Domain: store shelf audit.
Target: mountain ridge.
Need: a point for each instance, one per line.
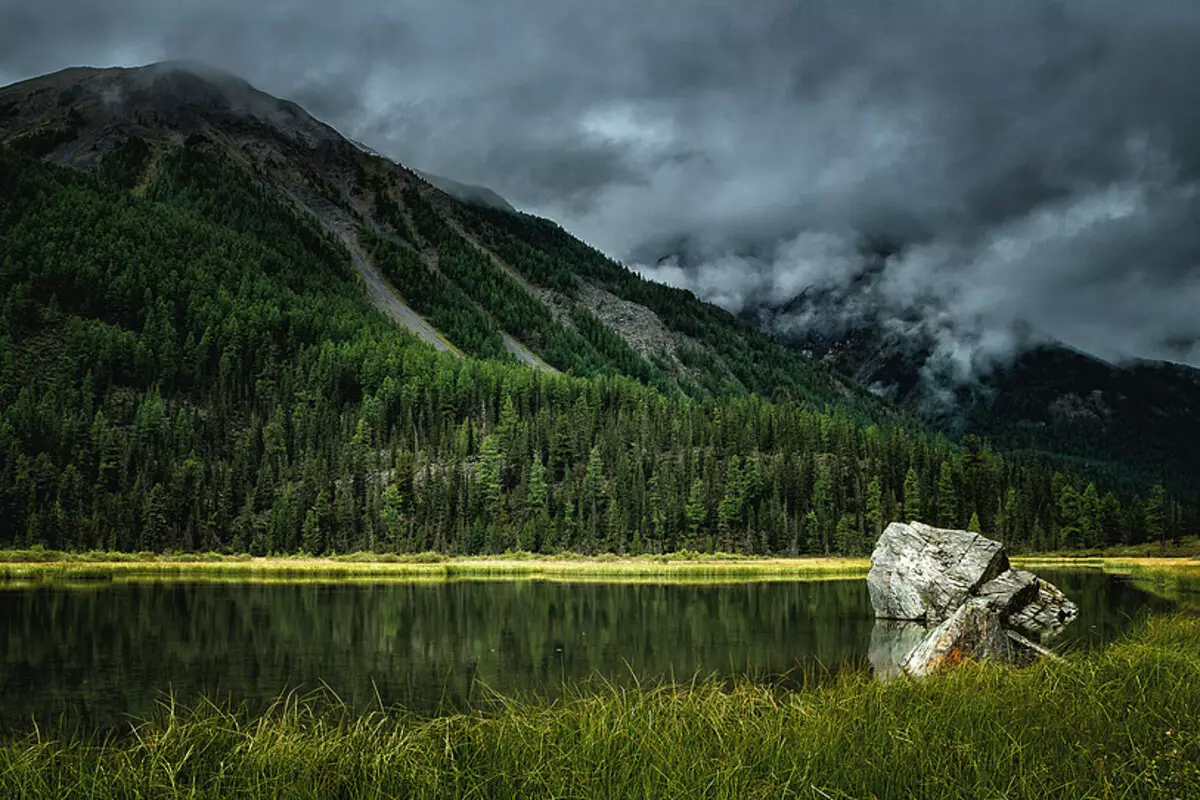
(190, 360)
(73, 117)
(1044, 393)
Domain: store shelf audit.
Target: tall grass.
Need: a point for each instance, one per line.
(1120, 722)
(35, 565)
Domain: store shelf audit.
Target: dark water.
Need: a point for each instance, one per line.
(101, 654)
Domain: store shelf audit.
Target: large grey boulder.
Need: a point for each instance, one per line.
(973, 632)
(962, 583)
(923, 573)
(1009, 592)
(1046, 614)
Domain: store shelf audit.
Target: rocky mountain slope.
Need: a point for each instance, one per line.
(468, 277)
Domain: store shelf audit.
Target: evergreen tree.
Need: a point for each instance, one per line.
(875, 518)
(846, 536)
(392, 515)
(912, 496)
(1090, 529)
(947, 498)
(1069, 512)
(1156, 515)
(697, 507)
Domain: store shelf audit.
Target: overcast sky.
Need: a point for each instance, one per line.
(1032, 165)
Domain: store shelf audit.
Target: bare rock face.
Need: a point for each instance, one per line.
(962, 582)
(974, 632)
(1009, 591)
(923, 573)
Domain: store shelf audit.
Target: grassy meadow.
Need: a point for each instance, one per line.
(41, 565)
(1123, 721)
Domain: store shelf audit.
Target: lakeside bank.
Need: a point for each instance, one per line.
(34, 565)
(1116, 722)
(39, 565)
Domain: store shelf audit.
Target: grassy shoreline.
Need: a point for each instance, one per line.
(1118, 722)
(33, 565)
(43, 565)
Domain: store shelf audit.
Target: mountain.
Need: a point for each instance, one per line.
(225, 326)
(468, 193)
(468, 277)
(1139, 415)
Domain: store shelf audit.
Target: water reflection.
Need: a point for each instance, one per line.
(101, 654)
(891, 641)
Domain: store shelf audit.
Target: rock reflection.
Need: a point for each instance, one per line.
(891, 642)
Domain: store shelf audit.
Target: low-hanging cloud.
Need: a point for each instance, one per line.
(987, 174)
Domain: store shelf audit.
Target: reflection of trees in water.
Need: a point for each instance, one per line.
(104, 653)
(1107, 605)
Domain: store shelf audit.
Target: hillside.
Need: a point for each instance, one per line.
(448, 270)
(202, 347)
(1136, 419)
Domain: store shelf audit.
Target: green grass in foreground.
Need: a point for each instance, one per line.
(1120, 722)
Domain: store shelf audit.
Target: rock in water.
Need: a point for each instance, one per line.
(962, 581)
(1009, 592)
(974, 631)
(1046, 614)
(923, 573)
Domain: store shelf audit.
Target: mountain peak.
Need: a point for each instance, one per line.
(80, 112)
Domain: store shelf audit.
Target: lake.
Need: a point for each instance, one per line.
(99, 654)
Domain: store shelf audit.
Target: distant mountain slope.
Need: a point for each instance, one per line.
(464, 276)
(1142, 415)
(468, 193)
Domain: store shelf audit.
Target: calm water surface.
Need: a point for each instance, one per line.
(100, 654)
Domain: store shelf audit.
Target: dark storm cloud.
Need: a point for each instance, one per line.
(1030, 167)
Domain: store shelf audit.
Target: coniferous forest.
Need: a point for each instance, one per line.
(189, 364)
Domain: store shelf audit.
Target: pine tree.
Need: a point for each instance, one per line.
(310, 534)
(1110, 518)
(846, 536)
(1091, 532)
(825, 503)
(315, 533)
(874, 514)
(593, 483)
(392, 515)
(535, 496)
(813, 534)
(947, 498)
(1156, 516)
(731, 509)
(1070, 531)
(912, 496)
(697, 507)
(491, 477)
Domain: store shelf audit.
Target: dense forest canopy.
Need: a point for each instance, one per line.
(188, 364)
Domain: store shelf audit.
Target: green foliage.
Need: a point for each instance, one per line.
(947, 497)
(912, 496)
(547, 255)
(440, 300)
(198, 369)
